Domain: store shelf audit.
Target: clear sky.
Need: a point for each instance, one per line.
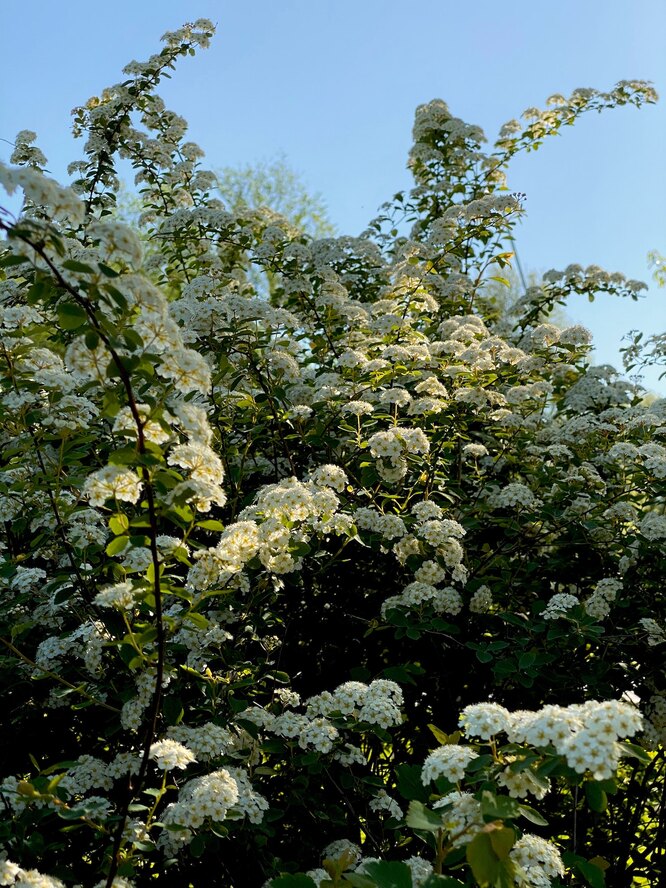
(333, 85)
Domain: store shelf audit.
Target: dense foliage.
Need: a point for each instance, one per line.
(263, 552)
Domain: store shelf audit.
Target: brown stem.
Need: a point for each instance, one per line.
(54, 675)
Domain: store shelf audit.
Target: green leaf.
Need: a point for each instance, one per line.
(420, 817)
(7, 261)
(123, 456)
(117, 545)
(390, 874)
(592, 874)
(410, 785)
(482, 859)
(71, 315)
(197, 846)
(435, 881)
(532, 815)
(358, 880)
(634, 751)
(91, 339)
(118, 524)
(498, 807)
(73, 265)
(300, 880)
(439, 735)
(71, 813)
(527, 659)
(172, 707)
(477, 764)
(211, 524)
(596, 797)
(502, 841)
(484, 656)
(198, 620)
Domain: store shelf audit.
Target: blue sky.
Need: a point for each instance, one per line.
(333, 85)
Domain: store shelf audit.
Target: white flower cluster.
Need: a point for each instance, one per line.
(523, 782)
(390, 526)
(120, 596)
(421, 870)
(653, 526)
(485, 720)
(430, 572)
(481, 601)
(116, 241)
(513, 495)
(26, 579)
(377, 703)
(408, 545)
(655, 633)
(461, 816)
(558, 605)
(25, 153)
(264, 530)
(474, 451)
(86, 642)
(585, 734)
(383, 802)
(312, 732)
(250, 803)
(330, 476)
(654, 459)
(61, 203)
(443, 601)
(184, 368)
(391, 446)
(153, 430)
(131, 714)
(205, 471)
(87, 773)
(317, 733)
(447, 761)
(169, 754)
(342, 848)
(539, 858)
(205, 798)
(439, 532)
(605, 592)
(12, 874)
(112, 483)
(207, 742)
(357, 408)
(86, 362)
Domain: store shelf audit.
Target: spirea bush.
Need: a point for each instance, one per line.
(322, 565)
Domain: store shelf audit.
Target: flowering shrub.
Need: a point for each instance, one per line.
(262, 553)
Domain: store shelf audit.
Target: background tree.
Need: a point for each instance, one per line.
(276, 185)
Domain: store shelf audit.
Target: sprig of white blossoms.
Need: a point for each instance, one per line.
(62, 203)
(112, 482)
(539, 858)
(120, 596)
(170, 754)
(383, 802)
(205, 798)
(377, 703)
(586, 734)
(13, 874)
(448, 761)
(558, 605)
